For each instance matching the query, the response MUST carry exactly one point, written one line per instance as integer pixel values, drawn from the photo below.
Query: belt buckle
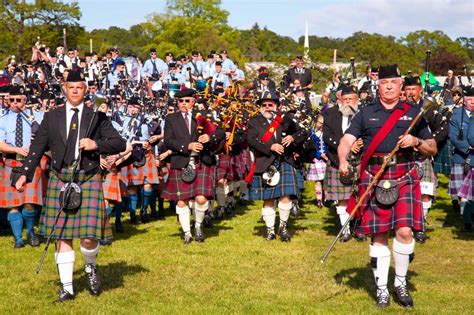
(19, 157)
(392, 161)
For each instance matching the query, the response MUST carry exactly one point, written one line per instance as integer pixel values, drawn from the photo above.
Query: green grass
(148, 270)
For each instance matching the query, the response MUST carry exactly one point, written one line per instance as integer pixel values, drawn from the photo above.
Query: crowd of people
(87, 140)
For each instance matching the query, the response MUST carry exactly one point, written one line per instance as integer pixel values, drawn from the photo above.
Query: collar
(69, 107)
(378, 106)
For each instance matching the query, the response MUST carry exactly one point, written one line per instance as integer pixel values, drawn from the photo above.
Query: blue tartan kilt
(300, 174)
(442, 160)
(288, 185)
(456, 178)
(89, 222)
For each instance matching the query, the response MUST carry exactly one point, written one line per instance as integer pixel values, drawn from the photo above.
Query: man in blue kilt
(63, 131)
(16, 129)
(395, 204)
(192, 173)
(273, 140)
(461, 135)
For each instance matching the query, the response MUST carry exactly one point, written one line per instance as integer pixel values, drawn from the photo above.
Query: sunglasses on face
(264, 79)
(15, 99)
(152, 53)
(184, 101)
(456, 94)
(268, 105)
(171, 109)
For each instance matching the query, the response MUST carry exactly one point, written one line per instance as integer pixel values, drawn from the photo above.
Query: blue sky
(325, 17)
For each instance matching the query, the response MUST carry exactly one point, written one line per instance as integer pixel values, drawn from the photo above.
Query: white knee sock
(200, 213)
(90, 255)
(184, 217)
(284, 209)
(220, 196)
(380, 261)
(269, 216)
(65, 262)
(343, 216)
(426, 207)
(401, 257)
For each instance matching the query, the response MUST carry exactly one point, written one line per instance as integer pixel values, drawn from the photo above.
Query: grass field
(148, 270)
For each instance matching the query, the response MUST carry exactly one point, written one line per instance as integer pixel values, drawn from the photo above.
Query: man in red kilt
(16, 129)
(64, 132)
(274, 140)
(191, 153)
(382, 125)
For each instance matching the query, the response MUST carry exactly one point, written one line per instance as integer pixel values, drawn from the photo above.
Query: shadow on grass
(363, 278)
(112, 275)
(130, 230)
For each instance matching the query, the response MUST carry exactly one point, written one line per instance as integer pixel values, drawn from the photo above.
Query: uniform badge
(74, 126)
(272, 129)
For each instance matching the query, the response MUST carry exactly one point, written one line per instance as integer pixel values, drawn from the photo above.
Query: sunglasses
(15, 99)
(456, 94)
(268, 105)
(264, 79)
(152, 53)
(184, 101)
(171, 109)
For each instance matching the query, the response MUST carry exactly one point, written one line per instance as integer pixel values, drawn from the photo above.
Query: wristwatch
(420, 142)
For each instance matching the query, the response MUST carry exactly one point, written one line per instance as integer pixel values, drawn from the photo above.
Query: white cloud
(398, 18)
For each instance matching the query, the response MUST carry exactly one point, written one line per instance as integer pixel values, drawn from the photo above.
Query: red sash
(374, 144)
(265, 138)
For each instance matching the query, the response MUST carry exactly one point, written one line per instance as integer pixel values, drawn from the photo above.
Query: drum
(201, 85)
(173, 88)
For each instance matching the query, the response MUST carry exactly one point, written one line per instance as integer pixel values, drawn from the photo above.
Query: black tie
(70, 155)
(19, 131)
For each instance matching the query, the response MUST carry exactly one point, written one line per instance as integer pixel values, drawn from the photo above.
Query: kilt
(246, 160)
(239, 168)
(428, 179)
(146, 174)
(456, 178)
(406, 212)
(466, 190)
(10, 197)
(316, 170)
(225, 170)
(45, 167)
(333, 188)
(203, 185)
(111, 185)
(300, 174)
(287, 186)
(89, 222)
(442, 160)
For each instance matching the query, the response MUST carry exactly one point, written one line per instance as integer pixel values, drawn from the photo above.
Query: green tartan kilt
(442, 161)
(89, 222)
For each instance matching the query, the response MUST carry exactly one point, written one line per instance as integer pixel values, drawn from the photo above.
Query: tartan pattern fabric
(203, 185)
(333, 188)
(146, 174)
(428, 175)
(10, 197)
(300, 175)
(89, 222)
(442, 160)
(246, 160)
(111, 185)
(406, 212)
(224, 170)
(287, 186)
(316, 170)
(238, 167)
(466, 190)
(456, 178)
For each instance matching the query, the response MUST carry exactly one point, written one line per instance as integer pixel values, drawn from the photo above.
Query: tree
(207, 10)
(442, 61)
(23, 22)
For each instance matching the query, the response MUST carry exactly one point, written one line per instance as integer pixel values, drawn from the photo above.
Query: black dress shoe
(105, 242)
(33, 239)
(93, 279)
(64, 296)
(295, 209)
(403, 296)
(421, 237)
(220, 213)
(199, 235)
(229, 210)
(467, 228)
(346, 237)
(18, 245)
(188, 238)
(283, 232)
(270, 234)
(383, 298)
(360, 237)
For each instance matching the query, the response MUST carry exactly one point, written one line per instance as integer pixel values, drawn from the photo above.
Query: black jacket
(257, 127)
(332, 133)
(177, 139)
(52, 136)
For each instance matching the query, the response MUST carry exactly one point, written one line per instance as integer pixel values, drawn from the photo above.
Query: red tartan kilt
(246, 160)
(238, 167)
(203, 185)
(146, 174)
(44, 165)
(406, 212)
(111, 186)
(10, 197)
(224, 169)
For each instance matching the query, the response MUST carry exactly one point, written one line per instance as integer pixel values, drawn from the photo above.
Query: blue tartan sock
(132, 204)
(146, 195)
(16, 222)
(29, 218)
